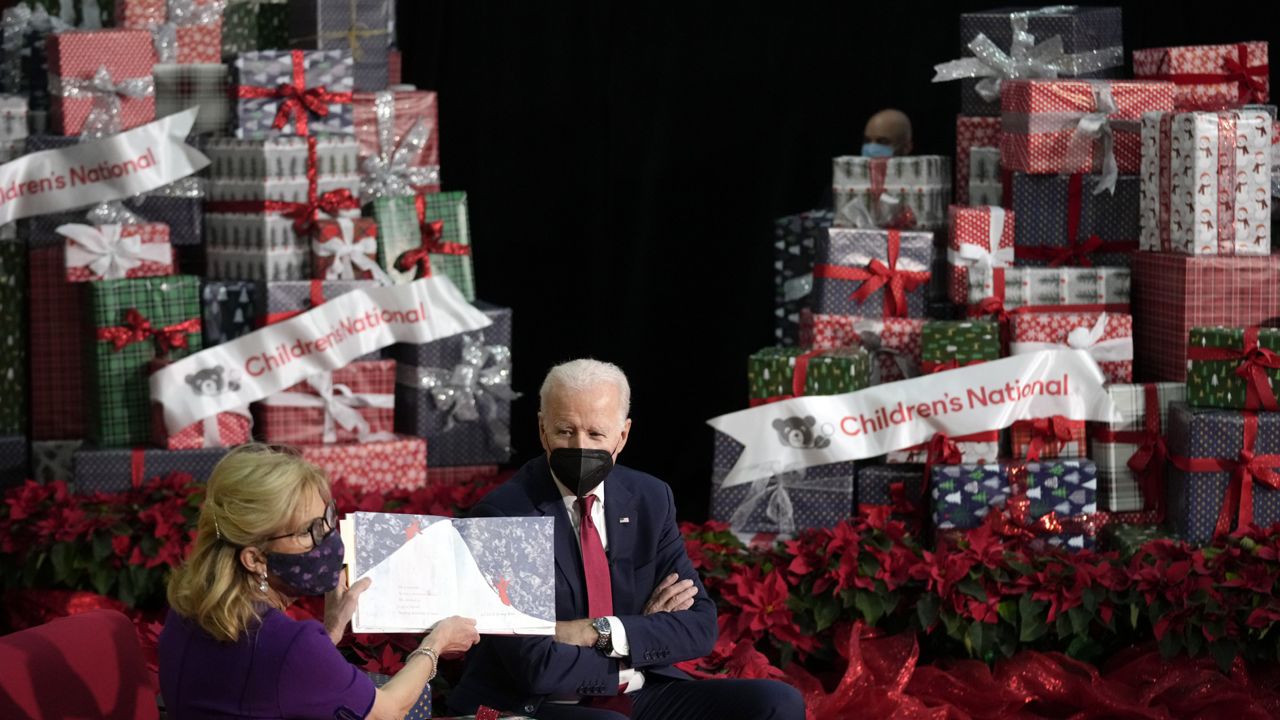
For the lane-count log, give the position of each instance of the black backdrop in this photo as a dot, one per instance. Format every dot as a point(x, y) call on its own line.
point(624, 160)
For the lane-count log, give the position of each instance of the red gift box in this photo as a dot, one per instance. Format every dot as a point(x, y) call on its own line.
point(1043, 438)
point(353, 404)
point(1173, 293)
point(1108, 337)
point(1052, 126)
point(190, 30)
point(346, 249)
point(384, 119)
point(895, 342)
point(397, 463)
point(225, 429)
point(980, 236)
point(972, 132)
point(76, 59)
point(112, 252)
point(1209, 77)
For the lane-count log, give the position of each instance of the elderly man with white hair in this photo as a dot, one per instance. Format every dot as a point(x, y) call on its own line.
point(629, 604)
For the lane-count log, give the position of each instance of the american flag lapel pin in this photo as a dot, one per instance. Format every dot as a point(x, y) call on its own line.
point(624, 520)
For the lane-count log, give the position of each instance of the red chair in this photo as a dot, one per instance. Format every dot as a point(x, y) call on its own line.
point(83, 666)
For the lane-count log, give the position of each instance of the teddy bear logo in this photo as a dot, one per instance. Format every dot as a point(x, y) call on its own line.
point(212, 381)
point(797, 432)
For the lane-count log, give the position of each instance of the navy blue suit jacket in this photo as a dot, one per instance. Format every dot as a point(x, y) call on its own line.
point(517, 674)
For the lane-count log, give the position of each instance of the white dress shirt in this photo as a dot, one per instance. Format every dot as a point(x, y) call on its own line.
point(633, 678)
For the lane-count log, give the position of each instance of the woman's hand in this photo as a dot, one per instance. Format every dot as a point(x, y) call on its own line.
point(340, 605)
point(453, 635)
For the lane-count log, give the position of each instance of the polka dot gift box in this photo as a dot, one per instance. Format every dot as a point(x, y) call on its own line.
point(373, 466)
point(1209, 77)
point(981, 240)
point(1062, 220)
point(1108, 338)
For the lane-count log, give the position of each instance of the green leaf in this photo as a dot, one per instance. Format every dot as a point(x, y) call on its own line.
point(981, 638)
point(1135, 611)
point(101, 547)
point(927, 610)
point(101, 577)
point(824, 615)
point(1008, 611)
point(972, 588)
point(62, 555)
point(1031, 626)
point(1169, 645)
point(1079, 620)
point(1194, 641)
point(1224, 652)
point(869, 605)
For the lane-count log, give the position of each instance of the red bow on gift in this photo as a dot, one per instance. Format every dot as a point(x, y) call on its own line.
point(1255, 361)
point(1015, 521)
point(1246, 469)
point(1148, 460)
point(1053, 431)
point(1076, 252)
point(296, 99)
point(432, 231)
point(138, 328)
point(1252, 79)
point(896, 283)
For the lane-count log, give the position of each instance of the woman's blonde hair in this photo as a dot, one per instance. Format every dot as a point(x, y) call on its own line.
point(254, 493)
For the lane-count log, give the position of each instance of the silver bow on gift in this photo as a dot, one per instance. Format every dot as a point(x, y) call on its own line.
point(870, 337)
point(771, 488)
point(1098, 125)
point(471, 390)
point(182, 13)
point(112, 212)
point(341, 407)
point(392, 172)
point(18, 21)
point(1025, 59)
point(107, 253)
point(104, 117)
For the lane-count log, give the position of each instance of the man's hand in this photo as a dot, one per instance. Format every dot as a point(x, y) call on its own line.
point(340, 605)
point(671, 596)
point(576, 632)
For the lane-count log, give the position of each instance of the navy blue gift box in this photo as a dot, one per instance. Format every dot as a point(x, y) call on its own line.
point(229, 309)
point(1040, 202)
point(13, 460)
point(112, 469)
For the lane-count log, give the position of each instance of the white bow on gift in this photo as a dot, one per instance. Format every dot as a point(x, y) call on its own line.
point(107, 252)
point(471, 391)
point(349, 254)
point(182, 13)
point(104, 117)
point(1083, 338)
point(392, 171)
point(985, 259)
point(341, 407)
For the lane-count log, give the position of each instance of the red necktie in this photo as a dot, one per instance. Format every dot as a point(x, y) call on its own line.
point(594, 562)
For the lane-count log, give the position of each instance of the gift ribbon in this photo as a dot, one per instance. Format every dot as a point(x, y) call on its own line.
point(1052, 433)
point(1246, 469)
point(341, 406)
point(349, 254)
point(876, 275)
point(138, 328)
point(211, 432)
point(1025, 58)
point(297, 101)
point(355, 31)
point(18, 21)
point(1148, 459)
point(994, 255)
point(106, 253)
point(1015, 521)
point(1090, 339)
point(995, 304)
point(870, 334)
point(137, 467)
point(773, 489)
point(1255, 362)
point(1076, 252)
point(316, 299)
point(432, 232)
point(1252, 79)
point(799, 378)
point(392, 171)
point(104, 116)
point(471, 390)
point(182, 14)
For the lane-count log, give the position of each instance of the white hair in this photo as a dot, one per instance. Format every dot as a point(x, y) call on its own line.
point(584, 374)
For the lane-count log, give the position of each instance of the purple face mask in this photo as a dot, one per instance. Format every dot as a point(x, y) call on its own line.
point(314, 572)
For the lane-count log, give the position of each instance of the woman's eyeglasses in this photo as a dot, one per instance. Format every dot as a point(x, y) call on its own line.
point(319, 529)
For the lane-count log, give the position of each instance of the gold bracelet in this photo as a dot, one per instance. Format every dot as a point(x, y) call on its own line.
point(429, 652)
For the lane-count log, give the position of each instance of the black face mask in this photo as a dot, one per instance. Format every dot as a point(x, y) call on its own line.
point(581, 468)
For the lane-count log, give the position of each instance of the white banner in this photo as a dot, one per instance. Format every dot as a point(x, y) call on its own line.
point(95, 171)
point(816, 430)
point(266, 361)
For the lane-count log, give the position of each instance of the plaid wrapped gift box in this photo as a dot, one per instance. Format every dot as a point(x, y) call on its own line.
point(1107, 336)
point(973, 133)
point(229, 309)
point(1047, 124)
point(1053, 437)
point(1212, 454)
point(134, 322)
point(249, 25)
point(1206, 183)
point(208, 85)
point(1209, 77)
point(872, 273)
point(1061, 221)
point(360, 27)
point(13, 338)
point(1090, 37)
point(794, 240)
point(909, 191)
point(1223, 370)
point(1174, 293)
point(777, 373)
point(354, 404)
point(397, 463)
point(1101, 289)
point(51, 459)
point(385, 124)
point(185, 31)
point(1136, 438)
point(263, 96)
point(981, 239)
point(899, 488)
point(427, 234)
point(456, 392)
point(24, 68)
point(113, 470)
point(115, 252)
point(894, 342)
point(13, 460)
point(80, 58)
point(56, 331)
point(779, 499)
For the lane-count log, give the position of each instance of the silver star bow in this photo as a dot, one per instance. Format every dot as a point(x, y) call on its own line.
point(471, 390)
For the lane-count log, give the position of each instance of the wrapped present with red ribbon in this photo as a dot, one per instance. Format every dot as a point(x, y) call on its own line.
point(1062, 220)
point(872, 273)
point(134, 322)
point(981, 240)
point(1230, 367)
point(1048, 437)
point(1223, 475)
point(226, 429)
point(354, 404)
point(116, 251)
point(112, 470)
point(898, 192)
point(1131, 453)
point(1178, 292)
point(895, 492)
point(1209, 77)
point(1077, 126)
point(1107, 337)
point(100, 81)
point(362, 28)
point(293, 92)
point(781, 373)
point(427, 234)
point(398, 134)
point(975, 175)
point(183, 31)
point(894, 343)
point(346, 249)
point(1206, 183)
point(999, 291)
point(395, 463)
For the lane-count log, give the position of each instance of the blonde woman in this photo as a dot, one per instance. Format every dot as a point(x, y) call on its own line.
point(266, 535)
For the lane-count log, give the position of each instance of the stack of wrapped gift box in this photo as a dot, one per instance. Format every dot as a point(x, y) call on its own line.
point(324, 179)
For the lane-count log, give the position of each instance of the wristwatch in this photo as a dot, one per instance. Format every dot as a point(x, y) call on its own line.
point(604, 643)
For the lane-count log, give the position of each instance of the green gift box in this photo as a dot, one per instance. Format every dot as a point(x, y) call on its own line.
point(1128, 539)
point(254, 25)
point(771, 372)
point(962, 342)
point(135, 321)
point(447, 245)
point(13, 343)
point(1216, 356)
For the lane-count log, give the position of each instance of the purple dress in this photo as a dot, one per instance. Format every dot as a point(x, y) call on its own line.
point(282, 669)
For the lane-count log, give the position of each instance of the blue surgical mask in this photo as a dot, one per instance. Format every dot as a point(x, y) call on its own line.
point(877, 150)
